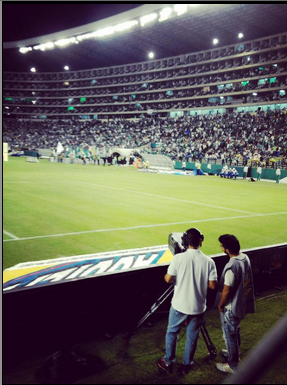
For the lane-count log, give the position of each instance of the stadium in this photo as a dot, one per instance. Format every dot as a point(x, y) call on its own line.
point(123, 124)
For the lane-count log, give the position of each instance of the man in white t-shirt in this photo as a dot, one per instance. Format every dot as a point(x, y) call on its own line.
point(278, 174)
point(245, 171)
point(192, 273)
point(209, 168)
point(259, 172)
point(183, 165)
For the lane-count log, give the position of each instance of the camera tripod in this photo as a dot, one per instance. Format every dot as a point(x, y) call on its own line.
point(210, 346)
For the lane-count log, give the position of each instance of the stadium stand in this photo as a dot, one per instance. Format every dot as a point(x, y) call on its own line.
point(226, 79)
point(184, 107)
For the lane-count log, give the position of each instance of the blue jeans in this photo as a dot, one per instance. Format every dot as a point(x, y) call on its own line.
point(231, 335)
point(175, 322)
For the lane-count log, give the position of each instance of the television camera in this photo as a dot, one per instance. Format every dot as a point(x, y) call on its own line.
point(178, 242)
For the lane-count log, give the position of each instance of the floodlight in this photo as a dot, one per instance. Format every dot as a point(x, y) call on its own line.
point(33, 69)
point(147, 19)
point(63, 42)
point(104, 31)
point(66, 68)
point(36, 47)
point(215, 41)
point(50, 44)
point(25, 49)
point(165, 14)
point(240, 35)
point(180, 9)
point(254, 94)
point(125, 26)
point(151, 55)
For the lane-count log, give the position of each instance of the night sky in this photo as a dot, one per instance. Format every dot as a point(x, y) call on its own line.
point(23, 21)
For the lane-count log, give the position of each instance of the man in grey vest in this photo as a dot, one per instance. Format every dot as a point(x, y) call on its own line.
point(235, 298)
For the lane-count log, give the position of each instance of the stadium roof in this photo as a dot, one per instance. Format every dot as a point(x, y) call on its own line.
point(187, 33)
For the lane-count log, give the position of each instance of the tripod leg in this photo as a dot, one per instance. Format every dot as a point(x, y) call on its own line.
point(154, 307)
point(210, 346)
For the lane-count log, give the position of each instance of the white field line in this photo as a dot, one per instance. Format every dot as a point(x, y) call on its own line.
point(164, 197)
point(144, 226)
point(10, 235)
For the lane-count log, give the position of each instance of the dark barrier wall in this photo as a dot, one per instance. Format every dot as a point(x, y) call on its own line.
point(61, 315)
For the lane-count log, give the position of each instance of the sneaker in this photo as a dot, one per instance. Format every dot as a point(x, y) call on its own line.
point(163, 366)
point(185, 369)
point(224, 353)
point(224, 368)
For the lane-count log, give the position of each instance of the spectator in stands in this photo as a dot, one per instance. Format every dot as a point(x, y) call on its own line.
point(210, 136)
point(235, 298)
point(192, 273)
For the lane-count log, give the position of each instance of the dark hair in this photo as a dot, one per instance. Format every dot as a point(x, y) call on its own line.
point(230, 242)
point(193, 237)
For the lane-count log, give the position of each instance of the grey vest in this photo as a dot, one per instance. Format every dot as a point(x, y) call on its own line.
point(242, 300)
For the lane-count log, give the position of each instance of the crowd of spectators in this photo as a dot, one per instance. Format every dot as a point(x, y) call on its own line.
point(234, 138)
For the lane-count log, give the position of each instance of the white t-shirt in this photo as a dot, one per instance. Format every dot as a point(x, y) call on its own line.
point(278, 171)
point(192, 270)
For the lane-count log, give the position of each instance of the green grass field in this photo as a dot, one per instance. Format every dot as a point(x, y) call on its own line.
point(53, 210)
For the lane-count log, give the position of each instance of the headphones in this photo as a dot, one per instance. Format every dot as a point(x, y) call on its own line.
point(191, 235)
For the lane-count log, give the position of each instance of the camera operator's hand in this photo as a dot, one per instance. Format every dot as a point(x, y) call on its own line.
point(169, 278)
